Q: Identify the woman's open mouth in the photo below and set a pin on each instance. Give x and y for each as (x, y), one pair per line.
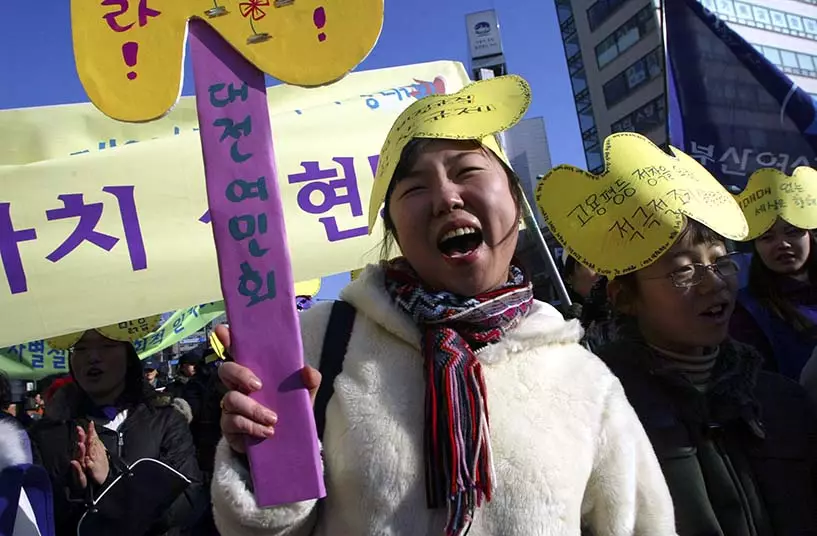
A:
(718, 313)
(461, 242)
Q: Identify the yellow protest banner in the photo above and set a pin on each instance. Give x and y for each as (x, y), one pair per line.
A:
(477, 112)
(35, 134)
(123, 232)
(625, 218)
(36, 359)
(128, 331)
(771, 194)
(130, 54)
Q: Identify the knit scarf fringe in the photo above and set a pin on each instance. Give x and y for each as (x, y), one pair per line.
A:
(459, 468)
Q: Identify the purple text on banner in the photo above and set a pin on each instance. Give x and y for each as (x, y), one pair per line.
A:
(253, 259)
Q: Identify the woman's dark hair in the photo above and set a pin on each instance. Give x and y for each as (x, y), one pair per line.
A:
(408, 158)
(135, 384)
(764, 285)
(598, 308)
(5, 392)
(570, 267)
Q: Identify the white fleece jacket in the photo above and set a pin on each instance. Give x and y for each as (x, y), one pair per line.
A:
(568, 449)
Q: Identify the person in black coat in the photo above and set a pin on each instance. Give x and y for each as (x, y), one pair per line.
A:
(737, 445)
(110, 414)
(189, 368)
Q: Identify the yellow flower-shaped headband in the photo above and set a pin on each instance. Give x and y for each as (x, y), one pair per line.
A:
(123, 331)
(771, 194)
(625, 218)
(477, 112)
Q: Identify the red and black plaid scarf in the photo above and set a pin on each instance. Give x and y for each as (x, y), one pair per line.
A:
(459, 470)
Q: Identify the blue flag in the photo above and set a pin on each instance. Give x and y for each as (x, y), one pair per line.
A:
(729, 107)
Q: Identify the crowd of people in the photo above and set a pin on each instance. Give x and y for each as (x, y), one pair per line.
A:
(666, 401)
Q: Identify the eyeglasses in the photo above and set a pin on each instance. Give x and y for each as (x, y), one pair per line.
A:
(691, 275)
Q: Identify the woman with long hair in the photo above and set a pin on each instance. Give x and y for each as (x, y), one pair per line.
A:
(777, 311)
(463, 404)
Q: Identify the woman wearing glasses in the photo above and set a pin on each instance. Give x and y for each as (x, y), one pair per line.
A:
(736, 445)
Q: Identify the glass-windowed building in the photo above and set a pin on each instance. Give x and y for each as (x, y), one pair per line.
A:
(615, 59)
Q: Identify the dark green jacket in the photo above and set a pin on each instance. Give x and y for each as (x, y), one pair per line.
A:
(741, 459)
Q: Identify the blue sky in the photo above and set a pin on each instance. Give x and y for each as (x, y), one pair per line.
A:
(37, 62)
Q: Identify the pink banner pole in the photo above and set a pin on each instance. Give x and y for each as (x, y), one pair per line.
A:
(253, 259)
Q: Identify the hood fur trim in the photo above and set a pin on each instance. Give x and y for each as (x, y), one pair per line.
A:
(13, 445)
(181, 405)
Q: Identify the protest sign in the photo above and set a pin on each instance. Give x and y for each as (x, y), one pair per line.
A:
(477, 112)
(243, 193)
(625, 218)
(771, 194)
(376, 97)
(129, 55)
(257, 282)
(37, 359)
(325, 216)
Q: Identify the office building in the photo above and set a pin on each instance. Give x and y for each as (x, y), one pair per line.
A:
(526, 145)
(615, 58)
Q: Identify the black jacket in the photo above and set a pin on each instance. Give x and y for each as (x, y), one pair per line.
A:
(203, 393)
(739, 460)
(153, 429)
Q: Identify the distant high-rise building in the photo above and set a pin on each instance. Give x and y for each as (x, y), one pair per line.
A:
(526, 145)
(615, 58)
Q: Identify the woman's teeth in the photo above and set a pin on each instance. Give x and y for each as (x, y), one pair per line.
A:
(716, 310)
(457, 232)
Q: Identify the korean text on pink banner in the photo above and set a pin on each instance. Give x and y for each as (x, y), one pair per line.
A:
(253, 258)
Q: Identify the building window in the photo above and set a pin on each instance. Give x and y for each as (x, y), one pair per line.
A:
(743, 11)
(761, 15)
(772, 54)
(806, 61)
(779, 19)
(795, 22)
(758, 16)
(726, 7)
(645, 119)
(634, 77)
(791, 62)
(602, 10)
(628, 34)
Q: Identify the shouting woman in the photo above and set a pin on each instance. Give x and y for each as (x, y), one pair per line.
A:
(463, 403)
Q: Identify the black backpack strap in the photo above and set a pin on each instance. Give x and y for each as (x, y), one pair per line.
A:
(335, 343)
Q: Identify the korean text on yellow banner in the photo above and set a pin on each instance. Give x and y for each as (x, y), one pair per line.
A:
(124, 231)
(37, 359)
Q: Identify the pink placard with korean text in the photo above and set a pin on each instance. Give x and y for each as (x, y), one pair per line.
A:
(254, 264)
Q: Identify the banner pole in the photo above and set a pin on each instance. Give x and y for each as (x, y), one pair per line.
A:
(533, 226)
